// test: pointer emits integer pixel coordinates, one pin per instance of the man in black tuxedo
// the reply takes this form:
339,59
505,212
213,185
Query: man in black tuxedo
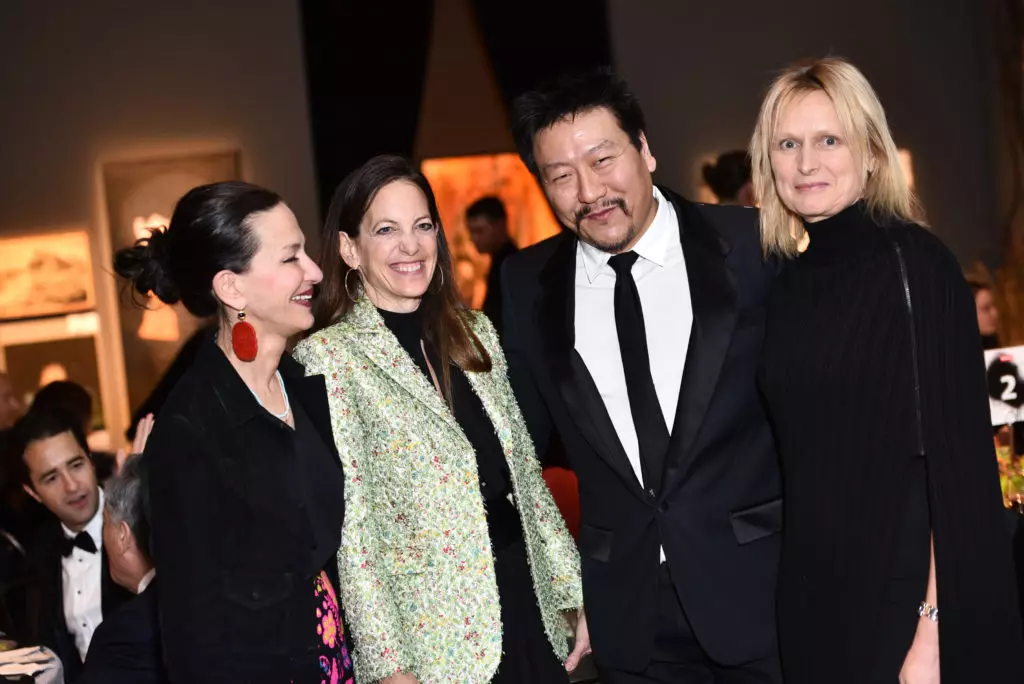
635,336
126,647
72,585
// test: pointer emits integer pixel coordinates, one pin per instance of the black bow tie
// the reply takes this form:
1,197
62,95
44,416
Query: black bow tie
82,540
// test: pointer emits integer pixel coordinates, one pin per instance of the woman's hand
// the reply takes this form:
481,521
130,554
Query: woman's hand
142,431
921,665
400,678
582,646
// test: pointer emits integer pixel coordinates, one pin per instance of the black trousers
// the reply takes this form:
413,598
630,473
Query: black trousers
679,659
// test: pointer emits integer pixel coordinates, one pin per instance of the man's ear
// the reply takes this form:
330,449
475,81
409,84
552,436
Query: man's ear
645,152
31,492
125,539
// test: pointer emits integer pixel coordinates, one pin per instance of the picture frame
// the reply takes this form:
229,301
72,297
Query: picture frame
140,194
45,274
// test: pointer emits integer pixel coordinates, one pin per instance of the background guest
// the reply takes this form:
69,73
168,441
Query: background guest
10,403
487,222
729,178
72,589
988,314
76,400
126,647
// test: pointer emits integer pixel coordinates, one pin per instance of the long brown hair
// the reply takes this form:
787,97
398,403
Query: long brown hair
445,319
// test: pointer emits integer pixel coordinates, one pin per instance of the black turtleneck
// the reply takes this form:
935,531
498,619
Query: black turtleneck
502,517
837,376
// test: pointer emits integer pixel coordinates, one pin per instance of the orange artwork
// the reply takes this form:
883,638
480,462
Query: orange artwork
460,181
45,274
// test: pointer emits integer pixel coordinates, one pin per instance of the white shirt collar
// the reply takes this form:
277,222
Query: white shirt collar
146,579
652,246
94,527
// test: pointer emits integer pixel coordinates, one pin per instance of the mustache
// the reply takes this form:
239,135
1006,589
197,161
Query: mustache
588,209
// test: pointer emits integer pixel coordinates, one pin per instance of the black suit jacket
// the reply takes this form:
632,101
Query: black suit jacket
47,597
242,522
719,510
126,647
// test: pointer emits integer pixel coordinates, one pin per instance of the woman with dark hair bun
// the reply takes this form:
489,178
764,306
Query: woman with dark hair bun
729,178
245,487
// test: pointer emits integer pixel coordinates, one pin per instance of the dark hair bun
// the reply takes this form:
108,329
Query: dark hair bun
145,264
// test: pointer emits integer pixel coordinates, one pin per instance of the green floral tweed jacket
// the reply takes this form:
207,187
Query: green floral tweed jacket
416,570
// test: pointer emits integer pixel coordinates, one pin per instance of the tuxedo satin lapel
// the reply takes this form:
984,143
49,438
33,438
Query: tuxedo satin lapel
385,351
556,321
713,298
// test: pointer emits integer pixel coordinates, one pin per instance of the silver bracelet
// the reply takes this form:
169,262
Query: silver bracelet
927,610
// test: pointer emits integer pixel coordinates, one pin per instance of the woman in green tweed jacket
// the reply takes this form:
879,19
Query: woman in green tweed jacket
455,564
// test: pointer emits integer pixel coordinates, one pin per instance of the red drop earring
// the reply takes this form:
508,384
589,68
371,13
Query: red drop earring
243,339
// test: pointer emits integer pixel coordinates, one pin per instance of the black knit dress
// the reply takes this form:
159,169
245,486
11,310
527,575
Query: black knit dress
867,475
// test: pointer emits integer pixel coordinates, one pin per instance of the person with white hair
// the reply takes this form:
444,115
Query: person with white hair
126,646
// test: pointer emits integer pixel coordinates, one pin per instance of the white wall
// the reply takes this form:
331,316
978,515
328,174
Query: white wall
84,82
700,70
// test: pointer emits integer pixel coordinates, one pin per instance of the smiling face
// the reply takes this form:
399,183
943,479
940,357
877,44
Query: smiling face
277,289
817,174
63,479
396,251
597,181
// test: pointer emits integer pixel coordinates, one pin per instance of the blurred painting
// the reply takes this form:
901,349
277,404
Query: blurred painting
141,196
32,366
460,181
45,275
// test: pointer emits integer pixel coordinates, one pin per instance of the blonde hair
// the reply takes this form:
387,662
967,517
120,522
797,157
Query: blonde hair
886,190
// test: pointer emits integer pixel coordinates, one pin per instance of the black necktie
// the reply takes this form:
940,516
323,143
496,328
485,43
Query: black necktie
82,540
651,430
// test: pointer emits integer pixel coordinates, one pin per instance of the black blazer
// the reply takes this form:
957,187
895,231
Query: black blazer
126,647
719,510
46,602
241,525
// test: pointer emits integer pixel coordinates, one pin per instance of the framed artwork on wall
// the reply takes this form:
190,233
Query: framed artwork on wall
46,274
37,352
458,182
140,195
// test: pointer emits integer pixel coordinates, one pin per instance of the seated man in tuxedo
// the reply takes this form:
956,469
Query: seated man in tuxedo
126,647
72,586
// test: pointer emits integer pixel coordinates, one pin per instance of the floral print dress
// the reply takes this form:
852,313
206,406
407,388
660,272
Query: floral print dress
335,661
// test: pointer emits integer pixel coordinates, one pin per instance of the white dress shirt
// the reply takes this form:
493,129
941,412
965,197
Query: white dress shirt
660,275
145,581
82,582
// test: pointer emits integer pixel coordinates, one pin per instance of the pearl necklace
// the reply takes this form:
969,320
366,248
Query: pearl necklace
284,392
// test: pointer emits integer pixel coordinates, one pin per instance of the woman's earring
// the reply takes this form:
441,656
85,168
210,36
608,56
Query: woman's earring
348,291
243,339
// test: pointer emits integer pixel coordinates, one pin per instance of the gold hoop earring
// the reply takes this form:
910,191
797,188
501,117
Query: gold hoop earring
348,291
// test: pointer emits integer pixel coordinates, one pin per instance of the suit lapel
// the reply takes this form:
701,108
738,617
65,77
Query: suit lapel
385,351
311,392
556,321
713,298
